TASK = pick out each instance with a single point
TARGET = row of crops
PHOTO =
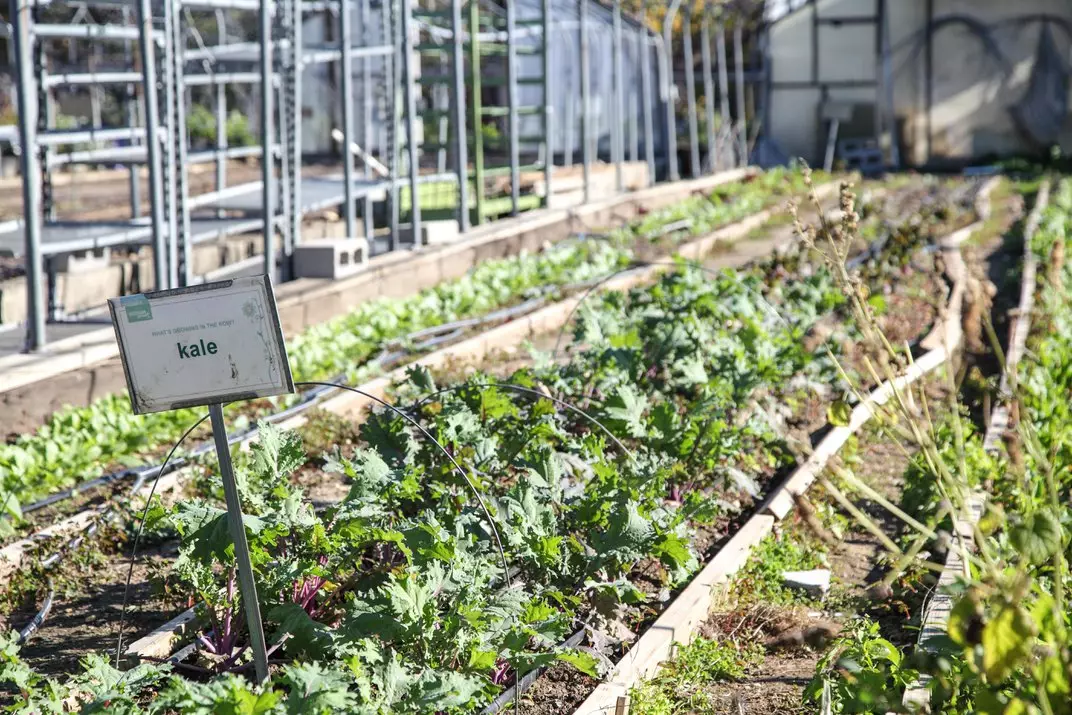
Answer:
(998, 641)
(78, 444)
(519, 521)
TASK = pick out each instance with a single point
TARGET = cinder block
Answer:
(330, 258)
(433, 233)
(83, 261)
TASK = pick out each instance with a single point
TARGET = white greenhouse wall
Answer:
(969, 117)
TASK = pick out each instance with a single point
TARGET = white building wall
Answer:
(971, 93)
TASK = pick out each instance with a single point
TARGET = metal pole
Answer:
(709, 85)
(346, 41)
(690, 95)
(221, 115)
(48, 106)
(548, 103)
(586, 102)
(152, 141)
(617, 124)
(391, 25)
(22, 18)
(96, 91)
(267, 159)
(646, 94)
(170, 160)
(246, 582)
(132, 121)
(671, 110)
(511, 108)
(182, 248)
(887, 82)
(478, 124)
(633, 100)
(409, 83)
(457, 68)
(294, 97)
(742, 121)
(366, 108)
(723, 77)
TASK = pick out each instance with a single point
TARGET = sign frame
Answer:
(141, 304)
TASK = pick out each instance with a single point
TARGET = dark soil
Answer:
(558, 691)
(87, 610)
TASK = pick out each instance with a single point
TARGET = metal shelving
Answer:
(418, 81)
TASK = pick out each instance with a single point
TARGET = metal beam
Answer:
(410, 108)
(152, 142)
(548, 103)
(92, 32)
(586, 101)
(723, 76)
(618, 118)
(478, 124)
(345, 41)
(690, 94)
(647, 99)
(742, 118)
(513, 127)
(671, 114)
(709, 85)
(267, 137)
(72, 79)
(461, 149)
(221, 113)
(32, 205)
(183, 248)
(222, 78)
(132, 120)
(295, 98)
(56, 137)
(366, 114)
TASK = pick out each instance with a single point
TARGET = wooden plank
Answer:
(679, 621)
(940, 606)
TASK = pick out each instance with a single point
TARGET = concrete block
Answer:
(13, 300)
(331, 258)
(433, 233)
(83, 261)
(816, 582)
(9, 166)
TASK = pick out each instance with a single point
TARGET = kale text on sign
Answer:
(198, 349)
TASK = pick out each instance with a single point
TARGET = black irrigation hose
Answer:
(32, 626)
(71, 546)
(386, 360)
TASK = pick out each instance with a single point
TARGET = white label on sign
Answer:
(208, 344)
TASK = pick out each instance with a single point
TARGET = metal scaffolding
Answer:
(457, 111)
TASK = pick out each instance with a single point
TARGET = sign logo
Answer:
(136, 307)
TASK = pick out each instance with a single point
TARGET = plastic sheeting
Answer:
(1041, 113)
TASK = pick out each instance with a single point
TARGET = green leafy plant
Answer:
(861, 672)
(681, 685)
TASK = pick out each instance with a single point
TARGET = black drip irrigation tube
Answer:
(39, 619)
(426, 339)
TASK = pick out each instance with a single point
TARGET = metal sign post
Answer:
(208, 345)
(238, 534)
